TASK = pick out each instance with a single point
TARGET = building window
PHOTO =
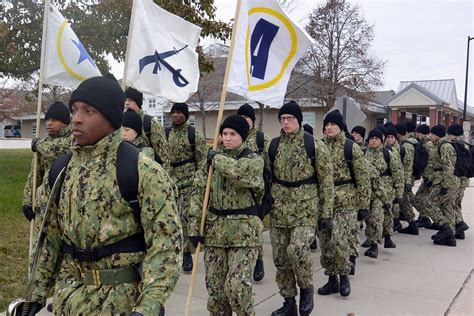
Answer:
(309, 118)
(33, 129)
(152, 103)
(380, 121)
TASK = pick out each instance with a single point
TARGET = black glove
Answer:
(134, 313)
(397, 200)
(28, 308)
(194, 240)
(324, 224)
(211, 153)
(362, 214)
(34, 142)
(28, 211)
(407, 188)
(443, 191)
(386, 207)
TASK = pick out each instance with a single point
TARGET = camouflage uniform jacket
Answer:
(192, 173)
(397, 173)
(48, 150)
(444, 163)
(157, 139)
(92, 213)
(252, 140)
(430, 148)
(147, 151)
(348, 196)
(232, 182)
(303, 205)
(408, 160)
(382, 185)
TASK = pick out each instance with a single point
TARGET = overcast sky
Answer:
(420, 39)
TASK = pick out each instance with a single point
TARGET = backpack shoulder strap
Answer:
(58, 164)
(386, 156)
(402, 153)
(192, 137)
(272, 150)
(147, 124)
(126, 168)
(260, 142)
(310, 149)
(245, 153)
(348, 157)
(167, 132)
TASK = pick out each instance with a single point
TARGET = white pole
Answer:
(129, 41)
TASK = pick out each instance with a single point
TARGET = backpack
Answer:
(386, 157)
(420, 159)
(463, 164)
(147, 128)
(192, 141)
(471, 168)
(267, 199)
(260, 142)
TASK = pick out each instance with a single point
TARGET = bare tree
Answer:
(340, 61)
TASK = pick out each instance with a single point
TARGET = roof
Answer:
(444, 89)
(422, 90)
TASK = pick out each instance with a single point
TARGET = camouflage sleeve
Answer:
(325, 177)
(246, 172)
(195, 211)
(51, 148)
(149, 152)
(158, 141)
(27, 192)
(448, 161)
(200, 154)
(397, 174)
(408, 164)
(163, 236)
(362, 177)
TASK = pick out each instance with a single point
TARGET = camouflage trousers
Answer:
(406, 206)
(354, 242)
(292, 258)
(419, 202)
(184, 203)
(441, 207)
(464, 183)
(387, 226)
(335, 243)
(229, 279)
(373, 231)
(266, 226)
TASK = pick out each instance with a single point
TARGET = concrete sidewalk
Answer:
(416, 278)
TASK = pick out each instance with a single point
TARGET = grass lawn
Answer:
(14, 228)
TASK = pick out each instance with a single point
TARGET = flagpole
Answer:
(38, 122)
(129, 41)
(214, 146)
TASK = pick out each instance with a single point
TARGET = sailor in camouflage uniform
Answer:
(351, 202)
(456, 133)
(408, 142)
(109, 259)
(303, 196)
(233, 229)
(358, 132)
(156, 136)
(256, 141)
(57, 142)
(132, 130)
(440, 204)
(424, 190)
(187, 168)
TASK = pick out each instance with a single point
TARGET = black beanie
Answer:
(291, 108)
(455, 130)
(334, 117)
(383, 130)
(133, 120)
(359, 130)
(238, 124)
(410, 126)
(438, 130)
(401, 129)
(376, 133)
(181, 107)
(308, 129)
(391, 131)
(423, 129)
(135, 95)
(388, 124)
(103, 94)
(60, 112)
(247, 110)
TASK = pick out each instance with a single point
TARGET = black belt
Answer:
(251, 210)
(338, 183)
(438, 169)
(180, 163)
(295, 184)
(133, 243)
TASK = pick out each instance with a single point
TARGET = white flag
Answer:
(66, 61)
(267, 46)
(162, 59)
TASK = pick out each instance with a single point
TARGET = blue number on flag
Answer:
(262, 37)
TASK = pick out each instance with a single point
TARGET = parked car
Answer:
(12, 131)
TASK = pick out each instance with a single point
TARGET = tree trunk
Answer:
(261, 107)
(203, 120)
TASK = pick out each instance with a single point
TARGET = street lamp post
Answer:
(467, 75)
